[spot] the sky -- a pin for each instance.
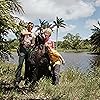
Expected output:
(79, 15)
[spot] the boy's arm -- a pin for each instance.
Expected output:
(62, 60)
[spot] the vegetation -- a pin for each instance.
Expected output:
(74, 85)
(86, 44)
(58, 23)
(95, 39)
(74, 43)
(8, 24)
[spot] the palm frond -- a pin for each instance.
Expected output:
(14, 5)
(95, 38)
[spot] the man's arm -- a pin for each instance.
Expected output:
(21, 38)
(33, 40)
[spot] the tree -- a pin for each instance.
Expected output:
(14, 6)
(72, 41)
(59, 44)
(95, 38)
(86, 44)
(58, 23)
(43, 24)
(7, 23)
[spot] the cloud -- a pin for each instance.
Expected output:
(91, 22)
(49, 9)
(70, 28)
(89, 25)
(97, 3)
(62, 32)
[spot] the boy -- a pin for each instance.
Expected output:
(55, 58)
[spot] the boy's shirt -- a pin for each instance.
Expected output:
(50, 43)
(54, 56)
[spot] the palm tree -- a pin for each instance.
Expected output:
(43, 24)
(58, 23)
(95, 38)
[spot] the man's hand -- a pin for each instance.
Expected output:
(25, 32)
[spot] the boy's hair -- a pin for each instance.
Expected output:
(47, 30)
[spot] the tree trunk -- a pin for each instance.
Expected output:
(56, 38)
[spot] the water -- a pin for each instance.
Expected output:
(82, 60)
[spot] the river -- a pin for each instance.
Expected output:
(82, 60)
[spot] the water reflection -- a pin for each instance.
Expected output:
(95, 61)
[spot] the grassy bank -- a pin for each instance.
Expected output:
(73, 50)
(62, 50)
(74, 85)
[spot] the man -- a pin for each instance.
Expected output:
(26, 41)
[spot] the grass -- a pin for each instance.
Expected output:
(73, 50)
(74, 85)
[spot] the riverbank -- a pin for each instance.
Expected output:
(74, 85)
(63, 50)
(73, 50)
